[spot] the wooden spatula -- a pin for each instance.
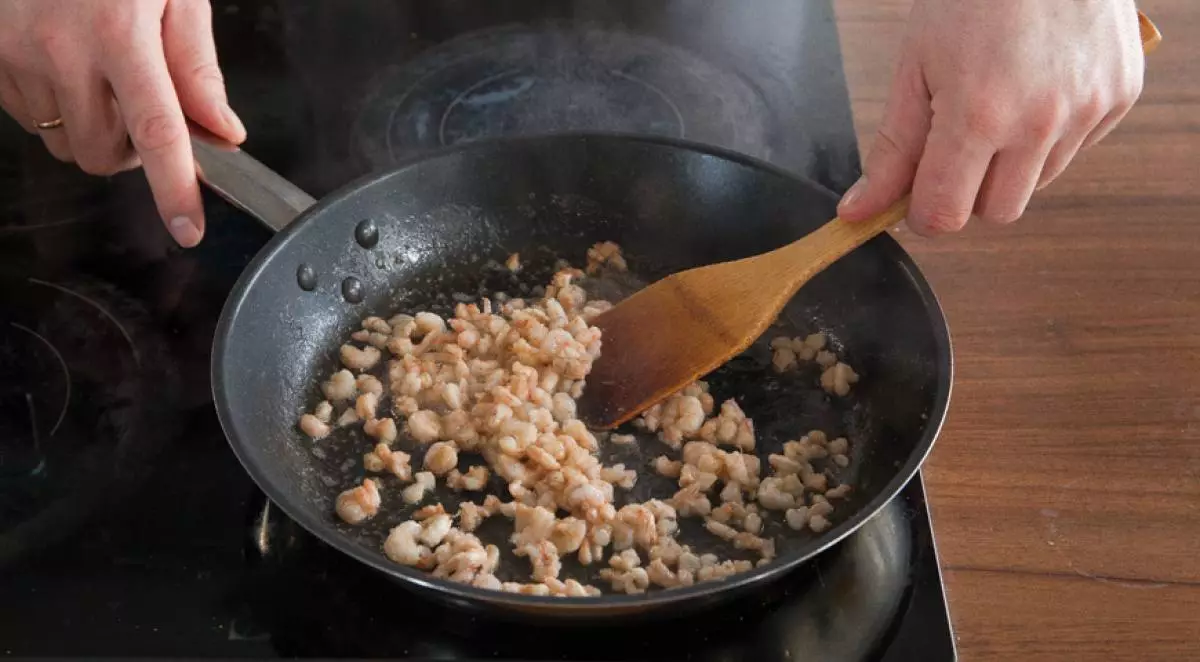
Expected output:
(686, 325)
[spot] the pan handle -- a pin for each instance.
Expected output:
(246, 183)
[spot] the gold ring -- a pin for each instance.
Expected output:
(52, 124)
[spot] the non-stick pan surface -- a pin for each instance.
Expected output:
(672, 206)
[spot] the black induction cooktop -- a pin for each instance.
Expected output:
(127, 527)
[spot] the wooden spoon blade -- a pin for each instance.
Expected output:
(686, 325)
(659, 340)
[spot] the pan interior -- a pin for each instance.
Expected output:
(445, 222)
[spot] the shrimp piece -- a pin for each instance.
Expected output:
(314, 427)
(358, 504)
(360, 359)
(425, 426)
(369, 384)
(323, 411)
(401, 545)
(366, 406)
(441, 458)
(543, 556)
(340, 386)
(383, 429)
(416, 492)
(434, 529)
(474, 480)
(386, 459)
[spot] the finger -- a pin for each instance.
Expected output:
(42, 106)
(1085, 128)
(14, 104)
(1106, 125)
(948, 178)
(92, 123)
(1009, 183)
(156, 125)
(192, 61)
(896, 151)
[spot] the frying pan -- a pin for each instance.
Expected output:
(428, 233)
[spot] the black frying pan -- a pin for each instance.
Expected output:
(671, 205)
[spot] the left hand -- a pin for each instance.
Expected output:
(991, 101)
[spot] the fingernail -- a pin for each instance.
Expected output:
(184, 231)
(234, 121)
(854, 193)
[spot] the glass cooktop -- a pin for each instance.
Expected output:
(127, 527)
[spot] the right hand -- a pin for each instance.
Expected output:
(122, 75)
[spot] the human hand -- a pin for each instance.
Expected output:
(991, 101)
(119, 72)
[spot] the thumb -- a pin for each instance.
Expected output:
(892, 162)
(192, 60)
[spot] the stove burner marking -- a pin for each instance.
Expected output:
(129, 339)
(37, 442)
(66, 375)
(662, 95)
(262, 529)
(464, 98)
(490, 98)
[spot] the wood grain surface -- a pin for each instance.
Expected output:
(1065, 488)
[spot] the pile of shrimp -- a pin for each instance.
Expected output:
(500, 384)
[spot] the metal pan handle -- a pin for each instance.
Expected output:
(246, 183)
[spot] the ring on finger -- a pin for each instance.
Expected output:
(47, 126)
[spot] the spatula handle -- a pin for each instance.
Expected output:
(822, 247)
(1151, 37)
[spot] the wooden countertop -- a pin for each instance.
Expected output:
(1065, 487)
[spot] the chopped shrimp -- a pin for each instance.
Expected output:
(323, 411)
(360, 359)
(359, 504)
(314, 427)
(348, 417)
(428, 323)
(434, 529)
(772, 496)
(839, 446)
(543, 556)
(401, 545)
(369, 384)
(425, 426)
(622, 439)
(818, 523)
(441, 458)
(383, 429)
(568, 534)
(416, 492)
(665, 466)
(340, 386)
(474, 480)
(838, 379)
(783, 359)
(366, 405)
(385, 459)
(501, 378)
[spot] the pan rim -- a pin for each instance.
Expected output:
(576, 607)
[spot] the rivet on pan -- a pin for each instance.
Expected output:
(366, 234)
(306, 278)
(352, 290)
